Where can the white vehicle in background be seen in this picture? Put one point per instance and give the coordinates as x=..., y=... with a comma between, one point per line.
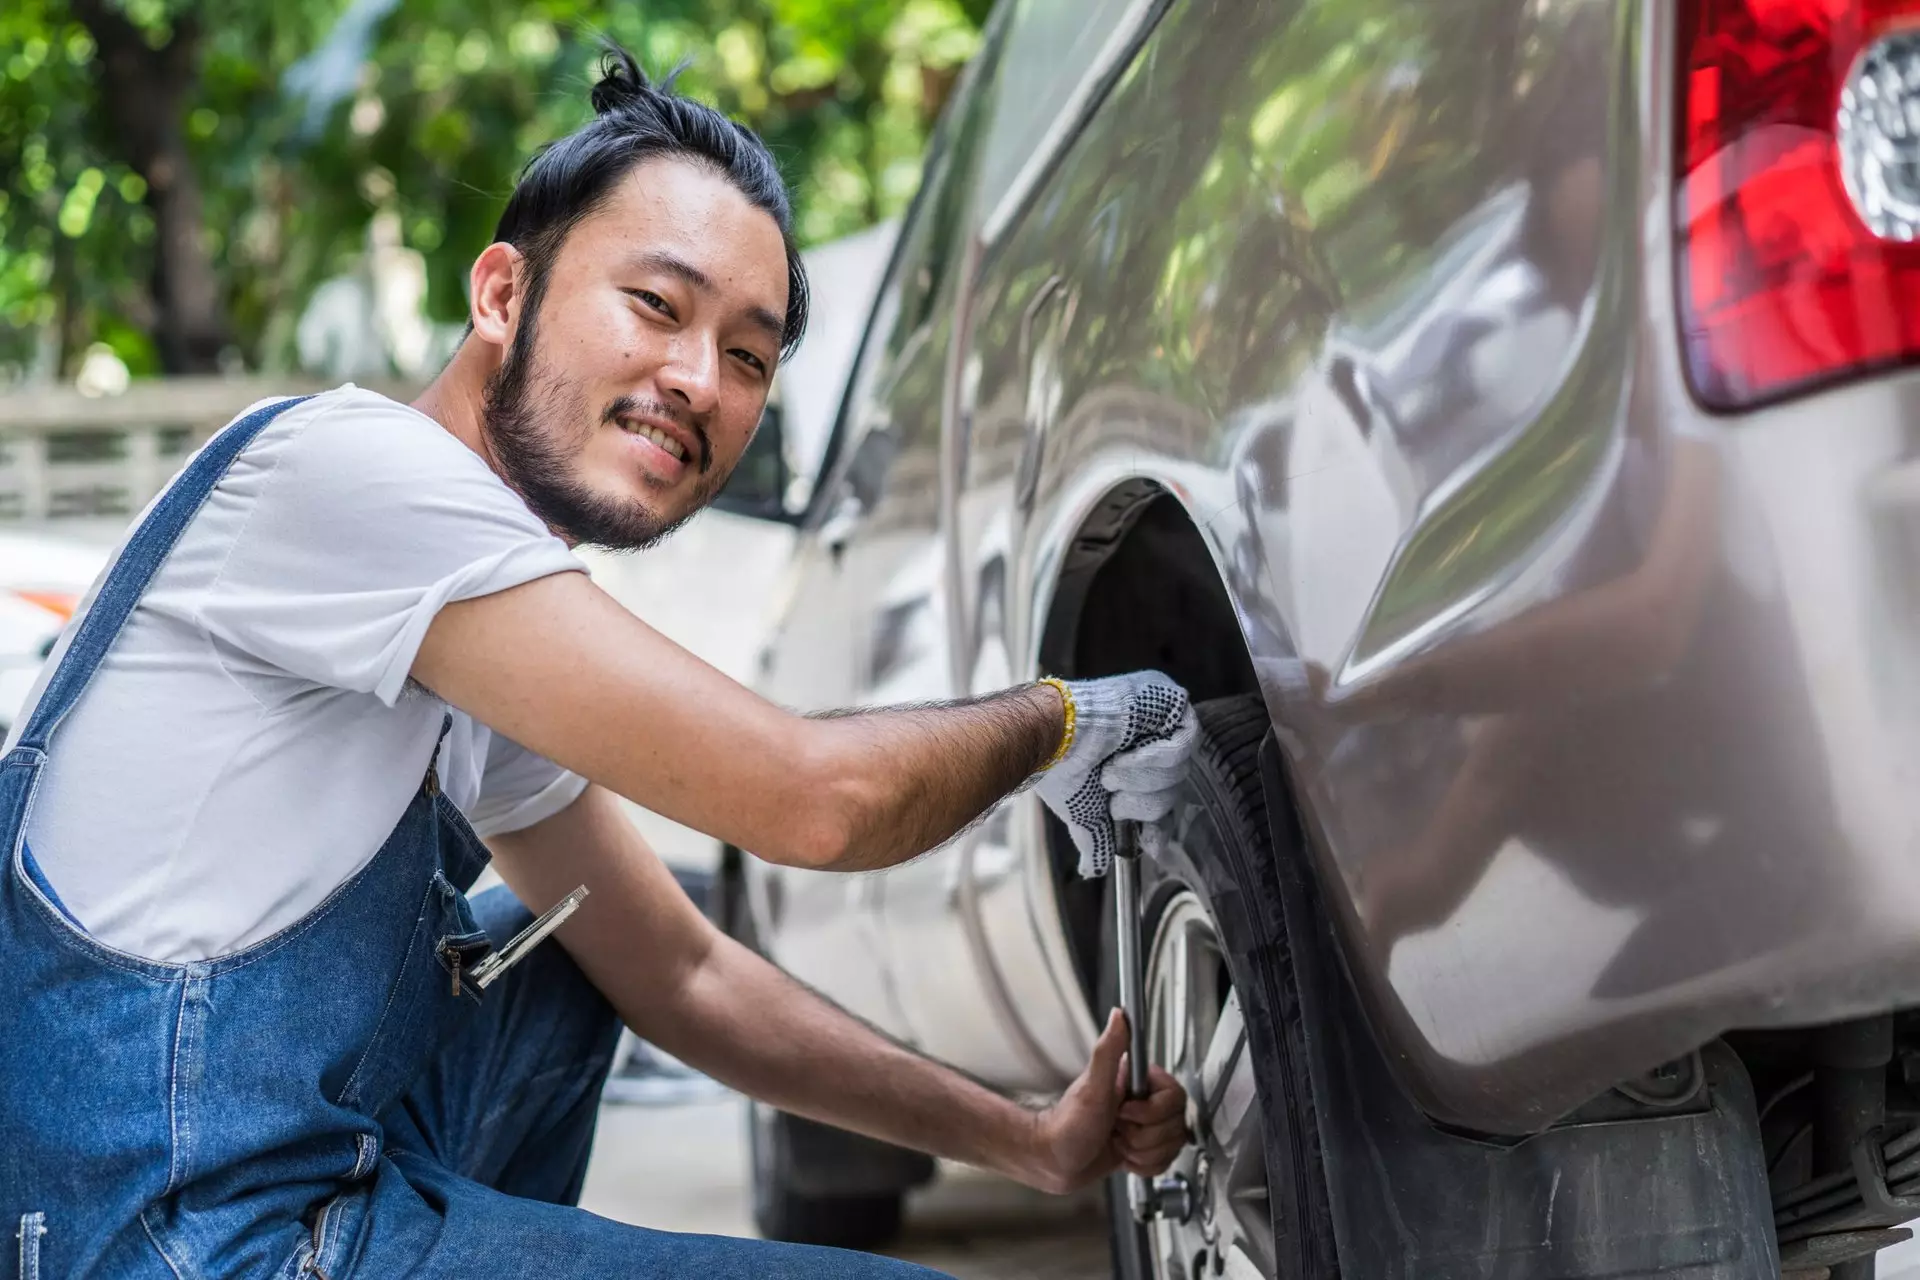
x=42, y=580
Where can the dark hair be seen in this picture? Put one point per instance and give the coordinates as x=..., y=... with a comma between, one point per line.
x=635, y=121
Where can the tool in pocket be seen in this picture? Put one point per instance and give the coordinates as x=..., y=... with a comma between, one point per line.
x=472, y=963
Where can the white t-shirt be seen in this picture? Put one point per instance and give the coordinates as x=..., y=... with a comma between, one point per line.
x=252, y=737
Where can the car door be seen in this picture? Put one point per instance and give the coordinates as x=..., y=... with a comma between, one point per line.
x=865, y=623
x=1019, y=309
x=938, y=957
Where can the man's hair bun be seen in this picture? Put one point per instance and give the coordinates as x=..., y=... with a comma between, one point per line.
x=635, y=119
x=623, y=83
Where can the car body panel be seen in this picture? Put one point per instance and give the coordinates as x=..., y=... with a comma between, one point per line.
x=869, y=625
x=1599, y=709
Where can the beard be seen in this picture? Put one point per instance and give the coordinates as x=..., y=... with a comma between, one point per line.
x=524, y=413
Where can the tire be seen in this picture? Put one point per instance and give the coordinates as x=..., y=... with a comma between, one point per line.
x=1213, y=877
x=812, y=1183
x=781, y=1212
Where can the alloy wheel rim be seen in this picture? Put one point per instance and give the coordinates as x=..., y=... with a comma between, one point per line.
x=1196, y=1031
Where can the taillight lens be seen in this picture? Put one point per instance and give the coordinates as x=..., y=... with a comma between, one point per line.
x=1800, y=125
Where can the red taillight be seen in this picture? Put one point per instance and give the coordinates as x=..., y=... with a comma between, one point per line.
x=1783, y=285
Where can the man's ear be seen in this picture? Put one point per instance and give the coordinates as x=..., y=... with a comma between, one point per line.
x=495, y=290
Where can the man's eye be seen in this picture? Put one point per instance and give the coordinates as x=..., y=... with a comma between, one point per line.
x=653, y=300
x=752, y=360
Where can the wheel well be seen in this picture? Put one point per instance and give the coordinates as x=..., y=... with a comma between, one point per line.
x=1139, y=589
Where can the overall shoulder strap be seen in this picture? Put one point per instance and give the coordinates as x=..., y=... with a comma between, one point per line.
x=139, y=560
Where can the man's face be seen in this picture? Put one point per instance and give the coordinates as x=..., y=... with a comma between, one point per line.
x=622, y=407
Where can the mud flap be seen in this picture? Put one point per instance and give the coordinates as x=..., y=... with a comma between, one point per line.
x=1617, y=1190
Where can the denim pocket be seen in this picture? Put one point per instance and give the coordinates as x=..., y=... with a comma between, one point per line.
x=458, y=953
x=32, y=1227
x=421, y=1003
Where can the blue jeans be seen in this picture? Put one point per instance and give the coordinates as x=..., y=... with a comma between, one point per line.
x=512, y=1102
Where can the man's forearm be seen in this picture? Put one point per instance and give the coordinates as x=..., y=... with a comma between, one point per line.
x=906, y=779
x=747, y=1024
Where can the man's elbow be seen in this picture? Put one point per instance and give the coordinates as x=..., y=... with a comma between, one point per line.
x=820, y=842
x=823, y=823
x=834, y=812
x=821, y=834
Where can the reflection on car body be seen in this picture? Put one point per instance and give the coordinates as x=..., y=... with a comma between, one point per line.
x=1330, y=357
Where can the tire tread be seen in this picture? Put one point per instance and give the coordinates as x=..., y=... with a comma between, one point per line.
x=1227, y=766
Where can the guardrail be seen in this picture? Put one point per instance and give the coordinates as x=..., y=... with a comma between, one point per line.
x=64, y=455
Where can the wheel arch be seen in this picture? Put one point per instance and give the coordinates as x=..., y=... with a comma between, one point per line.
x=1139, y=586
x=1135, y=552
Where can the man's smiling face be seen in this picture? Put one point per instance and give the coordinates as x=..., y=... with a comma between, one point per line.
x=623, y=405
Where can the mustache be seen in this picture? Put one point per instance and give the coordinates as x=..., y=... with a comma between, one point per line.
x=633, y=407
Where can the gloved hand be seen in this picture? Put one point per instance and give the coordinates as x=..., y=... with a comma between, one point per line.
x=1132, y=735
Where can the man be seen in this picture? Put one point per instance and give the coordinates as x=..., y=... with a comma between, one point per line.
x=253, y=1025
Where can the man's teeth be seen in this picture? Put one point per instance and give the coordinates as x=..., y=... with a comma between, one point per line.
x=661, y=439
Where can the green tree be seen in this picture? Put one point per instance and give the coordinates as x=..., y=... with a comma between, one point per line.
x=163, y=191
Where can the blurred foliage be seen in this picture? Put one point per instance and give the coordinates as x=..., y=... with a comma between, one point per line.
x=449, y=99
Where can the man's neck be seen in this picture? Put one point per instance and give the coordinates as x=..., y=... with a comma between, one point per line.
x=457, y=398
x=457, y=401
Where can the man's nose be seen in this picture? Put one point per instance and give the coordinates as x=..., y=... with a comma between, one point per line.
x=692, y=372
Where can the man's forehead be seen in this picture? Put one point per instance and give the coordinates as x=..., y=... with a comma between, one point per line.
x=694, y=212
x=674, y=214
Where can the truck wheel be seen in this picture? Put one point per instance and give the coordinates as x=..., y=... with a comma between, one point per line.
x=1223, y=1016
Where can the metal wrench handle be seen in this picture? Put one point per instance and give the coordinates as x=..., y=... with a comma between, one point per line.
x=1126, y=929
x=1126, y=935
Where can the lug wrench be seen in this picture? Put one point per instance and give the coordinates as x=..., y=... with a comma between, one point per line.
x=1126, y=936
x=1168, y=1196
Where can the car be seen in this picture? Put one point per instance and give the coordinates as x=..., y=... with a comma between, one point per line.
x=43, y=577
x=1501, y=417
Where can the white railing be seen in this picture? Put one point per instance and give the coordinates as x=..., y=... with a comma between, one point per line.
x=66, y=456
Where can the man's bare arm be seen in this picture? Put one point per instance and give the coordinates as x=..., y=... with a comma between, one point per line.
x=560, y=667
x=712, y=1003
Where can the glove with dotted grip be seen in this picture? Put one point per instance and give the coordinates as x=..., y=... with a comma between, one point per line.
x=1132, y=735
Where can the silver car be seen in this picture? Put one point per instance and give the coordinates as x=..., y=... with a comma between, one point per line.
x=1497, y=413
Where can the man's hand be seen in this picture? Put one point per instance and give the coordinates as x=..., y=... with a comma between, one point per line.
x=1132, y=735
x=1095, y=1129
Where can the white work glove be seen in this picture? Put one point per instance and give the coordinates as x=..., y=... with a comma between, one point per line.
x=1132, y=735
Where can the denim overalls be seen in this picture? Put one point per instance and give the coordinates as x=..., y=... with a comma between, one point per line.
x=333, y=1101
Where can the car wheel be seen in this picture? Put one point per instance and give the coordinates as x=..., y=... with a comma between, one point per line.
x=812, y=1183
x=781, y=1211
x=1223, y=1016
